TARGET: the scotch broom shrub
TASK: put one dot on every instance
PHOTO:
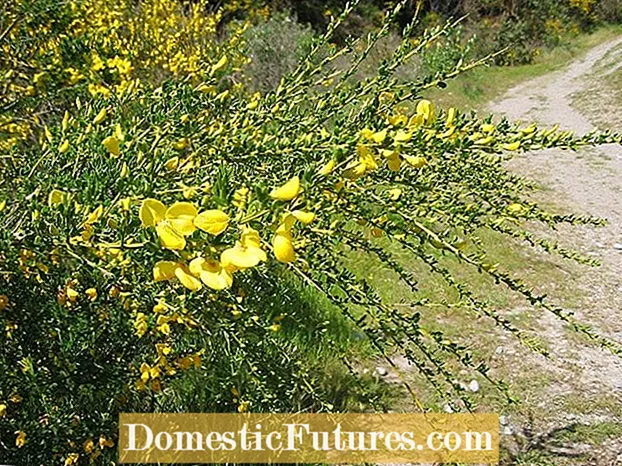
(177, 243)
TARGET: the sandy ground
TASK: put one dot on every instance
(583, 383)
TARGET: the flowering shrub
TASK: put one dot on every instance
(157, 241)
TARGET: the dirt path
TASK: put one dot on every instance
(582, 384)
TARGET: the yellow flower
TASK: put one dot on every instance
(288, 191)
(511, 145)
(56, 198)
(187, 279)
(328, 168)
(515, 208)
(91, 293)
(397, 120)
(181, 217)
(393, 159)
(366, 157)
(164, 270)
(379, 136)
(354, 170)
(212, 273)
(88, 445)
(4, 302)
(487, 128)
(140, 324)
(64, 147)
(72, 294)
(414, 161)
(169, 237)
(304, 217)
(2, 410)
(72, 458)
(425, 108)
(220, 65)
(172, 163)
(213, 222)
(20, 440)
(65, 123)
(151, 212)
(241, 257)
(112, 144)
(403, 136)
(101, 116)
(94, 216)
(104, 442)
(161, 307)
(530, 129)
(144, 372)
(484, 141)
(395, 193)
(283, 247)
(451, 116)
(171, 224)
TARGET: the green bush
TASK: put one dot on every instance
(275, 47)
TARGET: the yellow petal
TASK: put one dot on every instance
(64, 147)
(414, 161)
(221, 64)
(212, 273)
(288, 191)
(250, 238)
(304, 217)
(287, 223)
(56, 198)
(511, 146)
(112, 144)
(101, 116)
(151, 212)
(451, 116)
(484, 141)
(217, 280)
(213, 222)
(356, 170)
(403, 136)
(172, 163)
(181, 217)
(240, 257)
(164, 270)
(169, 237)
(425, 108)
(283, 247)
(328, 168)
(366, 157)
(380, 136)
(94, 216)
(515, 208)
(187, 279)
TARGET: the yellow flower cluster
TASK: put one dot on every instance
(390, 142)
(179, 221)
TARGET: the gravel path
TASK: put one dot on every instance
(588, 182)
